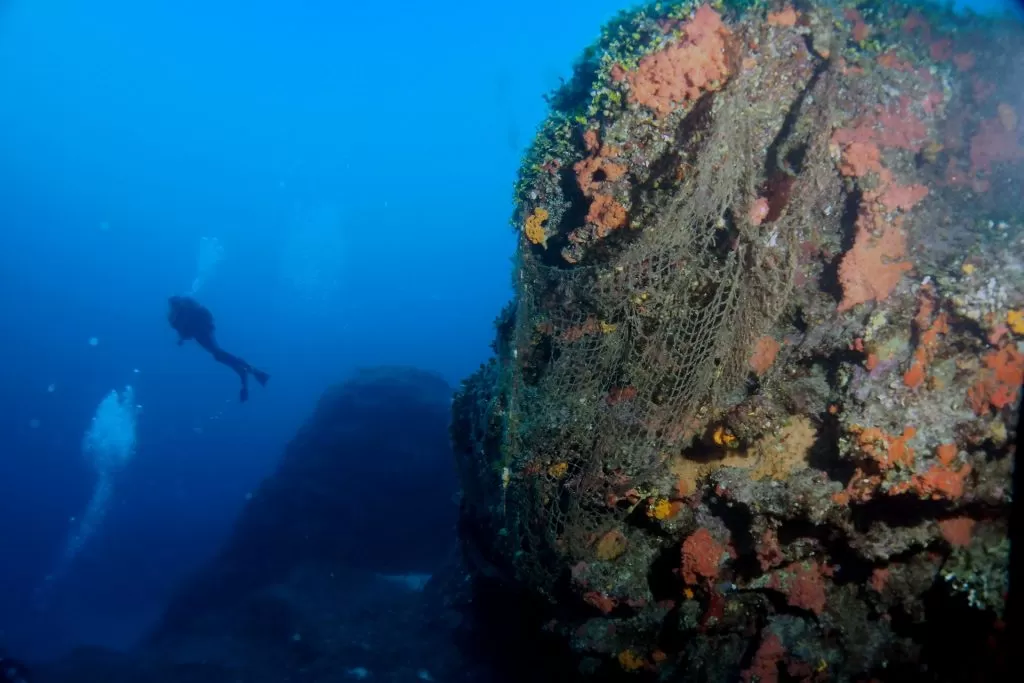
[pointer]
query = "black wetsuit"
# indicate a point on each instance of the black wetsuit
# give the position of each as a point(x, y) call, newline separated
point(193, 321)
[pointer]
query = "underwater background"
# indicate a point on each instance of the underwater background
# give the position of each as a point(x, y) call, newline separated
point(354, 164)
point(331, 179)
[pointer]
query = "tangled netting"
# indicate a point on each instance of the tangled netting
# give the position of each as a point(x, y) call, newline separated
point(609, 366)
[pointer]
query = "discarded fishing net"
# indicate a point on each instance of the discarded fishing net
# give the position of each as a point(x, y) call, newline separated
point(765, 347)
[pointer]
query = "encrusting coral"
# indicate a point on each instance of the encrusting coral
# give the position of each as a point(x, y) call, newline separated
point(773, 341)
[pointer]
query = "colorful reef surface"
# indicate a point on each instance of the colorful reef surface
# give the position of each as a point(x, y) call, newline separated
point(751, 412)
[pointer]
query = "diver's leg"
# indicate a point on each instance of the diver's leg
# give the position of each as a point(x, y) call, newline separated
point(241, 366)
point(233, 362)
point(236, 364)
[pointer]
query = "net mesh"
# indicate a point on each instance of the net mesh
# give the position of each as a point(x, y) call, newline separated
point(615, 365)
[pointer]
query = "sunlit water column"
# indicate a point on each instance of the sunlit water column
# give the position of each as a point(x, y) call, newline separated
point(313, 256)
point(211, 253)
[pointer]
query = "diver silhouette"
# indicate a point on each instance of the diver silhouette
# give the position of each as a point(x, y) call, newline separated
point(191, 320)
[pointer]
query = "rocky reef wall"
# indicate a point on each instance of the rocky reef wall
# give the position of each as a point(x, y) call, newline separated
point(751, 413)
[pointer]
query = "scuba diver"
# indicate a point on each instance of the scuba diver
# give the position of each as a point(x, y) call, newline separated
point(12, 671)
point(191, 320)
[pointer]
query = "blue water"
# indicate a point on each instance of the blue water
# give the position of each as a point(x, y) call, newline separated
point(353, 161)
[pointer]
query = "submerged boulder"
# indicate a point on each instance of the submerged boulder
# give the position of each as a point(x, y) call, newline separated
point(366, 484)
point(325, 575)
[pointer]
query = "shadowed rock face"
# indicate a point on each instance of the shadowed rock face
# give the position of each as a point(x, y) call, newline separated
point(314, 625)
point(323, 626)
point(310, 587)
point(367, 483)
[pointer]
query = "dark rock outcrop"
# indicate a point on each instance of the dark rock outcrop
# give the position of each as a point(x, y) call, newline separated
point(367, 483)
point(323, 577)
